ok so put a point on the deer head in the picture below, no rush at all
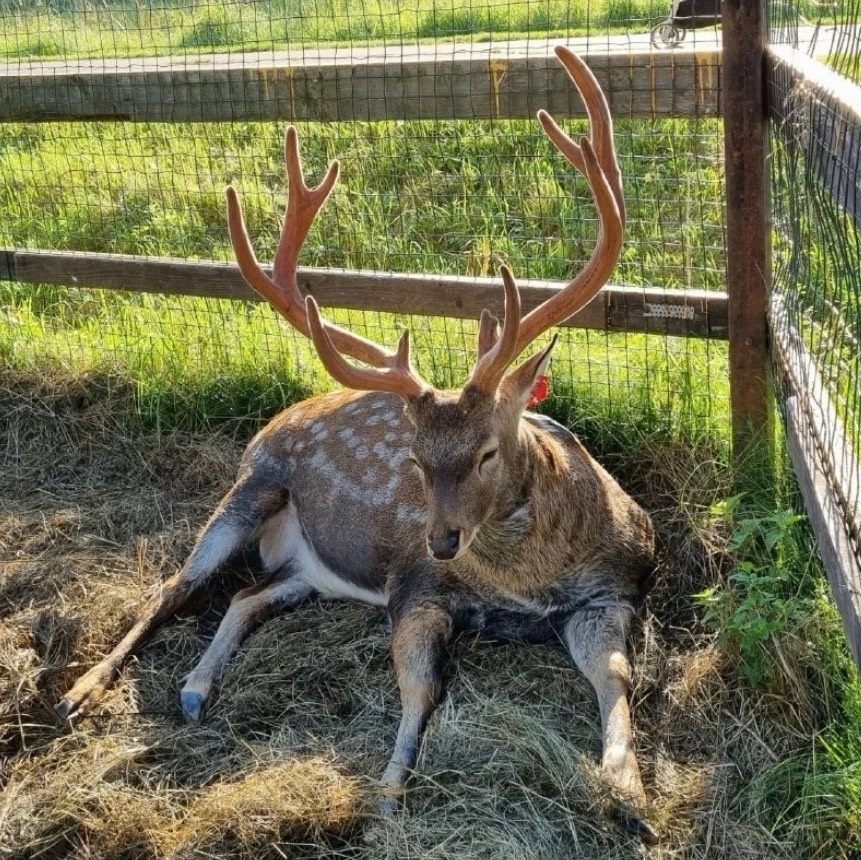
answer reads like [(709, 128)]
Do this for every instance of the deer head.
[(470, 449)]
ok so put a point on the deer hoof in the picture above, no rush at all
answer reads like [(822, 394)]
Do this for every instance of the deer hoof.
[(193, 705), (87, 691), (65, 709), (389, 805), (637, 826)]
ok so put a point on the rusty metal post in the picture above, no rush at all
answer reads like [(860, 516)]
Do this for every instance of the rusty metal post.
[(747, 225)]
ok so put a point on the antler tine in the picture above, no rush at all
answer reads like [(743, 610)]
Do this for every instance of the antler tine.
[(597, 161), (493, 361), (398, 377), (282, 289), (600, 123), (303, 204)]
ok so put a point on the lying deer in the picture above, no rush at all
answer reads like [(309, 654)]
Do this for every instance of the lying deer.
[(456, 510)]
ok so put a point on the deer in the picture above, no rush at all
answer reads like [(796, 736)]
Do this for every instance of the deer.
[(455, 510)]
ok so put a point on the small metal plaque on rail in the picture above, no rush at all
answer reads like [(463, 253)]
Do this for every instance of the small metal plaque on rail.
[(673, 312)]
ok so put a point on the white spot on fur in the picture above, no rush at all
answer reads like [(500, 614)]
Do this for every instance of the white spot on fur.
[(349, 437), (407, 514), (340, 483), (399, 457), (383, 451), (387, 493), (319, 431)]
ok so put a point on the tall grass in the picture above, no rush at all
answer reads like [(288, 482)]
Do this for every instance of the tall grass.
[(773, 612), (447, 197), (52, 29)]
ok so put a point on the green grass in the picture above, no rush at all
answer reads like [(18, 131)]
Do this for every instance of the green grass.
[(197, 363), (775, 617), (53, 29), (42, 30), (447, 197)]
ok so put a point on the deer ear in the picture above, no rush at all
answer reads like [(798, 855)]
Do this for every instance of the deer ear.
[(517, 386)]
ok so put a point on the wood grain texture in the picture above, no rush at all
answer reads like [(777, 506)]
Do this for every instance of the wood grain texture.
[(459, 81), (693, 313)]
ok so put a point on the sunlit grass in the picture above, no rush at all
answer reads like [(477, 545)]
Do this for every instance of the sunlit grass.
[(43, 30), (441, 197), (446, 197)]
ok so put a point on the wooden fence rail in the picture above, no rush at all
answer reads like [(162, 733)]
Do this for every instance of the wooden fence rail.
[(693, 313), (819, 112), (827, 466)]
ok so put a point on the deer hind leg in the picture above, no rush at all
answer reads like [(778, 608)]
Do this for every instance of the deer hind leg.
[(596, 642), (249, 607), (420, 637), (248, 504)]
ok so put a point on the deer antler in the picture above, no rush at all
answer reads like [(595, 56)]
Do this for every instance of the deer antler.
[(596, 159), (494, 358), (594, 156), (282, 289)]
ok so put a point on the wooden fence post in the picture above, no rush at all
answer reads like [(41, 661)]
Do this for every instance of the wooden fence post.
[(747, 227)]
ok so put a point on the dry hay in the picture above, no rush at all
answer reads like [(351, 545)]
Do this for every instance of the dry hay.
[(93, 511)]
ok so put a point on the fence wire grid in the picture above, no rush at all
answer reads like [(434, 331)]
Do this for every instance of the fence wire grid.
[(816, 300), (446, 183)]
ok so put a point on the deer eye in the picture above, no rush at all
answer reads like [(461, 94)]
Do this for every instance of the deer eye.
[(487, 457)]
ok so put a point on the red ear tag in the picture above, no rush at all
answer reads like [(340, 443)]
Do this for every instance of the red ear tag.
[(540, 391)]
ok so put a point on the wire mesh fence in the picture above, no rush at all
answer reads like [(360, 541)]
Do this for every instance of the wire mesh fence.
[(121, 28), (441, 173), (816, 303)]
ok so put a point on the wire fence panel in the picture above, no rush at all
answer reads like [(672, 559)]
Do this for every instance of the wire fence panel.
[(816, 304), (124, 123)]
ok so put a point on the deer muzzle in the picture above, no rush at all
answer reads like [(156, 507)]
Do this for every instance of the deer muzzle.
[(446, 545)]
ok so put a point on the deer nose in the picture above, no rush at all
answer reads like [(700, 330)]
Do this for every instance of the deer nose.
[(445, 548)]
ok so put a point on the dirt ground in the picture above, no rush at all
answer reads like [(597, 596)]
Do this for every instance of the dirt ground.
[(95, 510)]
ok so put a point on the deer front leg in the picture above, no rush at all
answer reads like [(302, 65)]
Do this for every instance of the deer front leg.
[(420, 636), (596, 642)]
